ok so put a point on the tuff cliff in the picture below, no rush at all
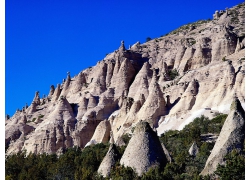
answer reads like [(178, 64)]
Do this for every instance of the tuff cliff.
[(167, 82)]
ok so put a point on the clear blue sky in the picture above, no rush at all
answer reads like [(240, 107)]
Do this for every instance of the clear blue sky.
[(45, 39)]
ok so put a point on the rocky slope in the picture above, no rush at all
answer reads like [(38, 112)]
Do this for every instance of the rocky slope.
[(140, 83)]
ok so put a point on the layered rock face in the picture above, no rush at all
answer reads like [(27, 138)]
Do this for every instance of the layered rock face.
[(144, 150), (167, 82), (232, 136)]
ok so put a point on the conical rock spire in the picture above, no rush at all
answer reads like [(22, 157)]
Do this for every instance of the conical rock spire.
[(144, 150), (232, 136)]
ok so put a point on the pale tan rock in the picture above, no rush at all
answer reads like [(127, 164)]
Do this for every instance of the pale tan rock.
[(238, 46), (98, 80), (232, 136), (179, 56), (79, 82), (110, 69), (154, 106), (108, 161), (92, 102), (66, 85), (82, 109), (164, 74), (52, 90), (141, 82), (186, 60), (122, 80), (193, 150), (32, 108), (169, 158), (223, 44), (56, 93), (102, 132), (144, 150), (36, 99)]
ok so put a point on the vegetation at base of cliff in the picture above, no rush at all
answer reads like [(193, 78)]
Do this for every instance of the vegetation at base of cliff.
[(234, 167), (73, 164), (83, 164)]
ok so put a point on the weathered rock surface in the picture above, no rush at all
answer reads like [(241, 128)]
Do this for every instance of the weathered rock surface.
[(232, 136), (168, 156), (144, 150), (108, 161), (193, 149), (102, 132), (135, 84)]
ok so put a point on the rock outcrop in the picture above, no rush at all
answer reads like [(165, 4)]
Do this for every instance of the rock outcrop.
[(102, 132), (194, 150), (108, 161), (232, 136), (168, 156), (144, 150)]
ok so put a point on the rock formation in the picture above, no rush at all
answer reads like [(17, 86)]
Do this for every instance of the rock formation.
[(57, 93), (108, 161), (194, 150), (52, 90), (36, 99), (169, 158), (168, 82), (144, 150), (232, 136), (102, 132)]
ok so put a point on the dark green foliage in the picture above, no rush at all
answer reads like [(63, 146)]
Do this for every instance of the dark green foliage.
[(179, 142), (89, 161), (119, 172), (31, 167), (173, 74), (154, 173), (40, 116), (148, 39), (73, 164), (216, 123), (126, 138), (234, 167), (205, 125)]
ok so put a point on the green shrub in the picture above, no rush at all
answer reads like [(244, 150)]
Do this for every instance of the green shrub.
[(234, 167), (126, 138), (173, 74), (40, 116), (148, 39)]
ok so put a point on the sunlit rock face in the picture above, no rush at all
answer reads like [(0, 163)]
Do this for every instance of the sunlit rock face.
[(232, 136), (167, 82), (144, 150)]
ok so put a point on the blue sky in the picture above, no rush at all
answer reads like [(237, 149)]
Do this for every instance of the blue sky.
[(45, 39)]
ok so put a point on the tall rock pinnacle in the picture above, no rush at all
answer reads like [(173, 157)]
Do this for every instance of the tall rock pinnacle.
[(232, 136)]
